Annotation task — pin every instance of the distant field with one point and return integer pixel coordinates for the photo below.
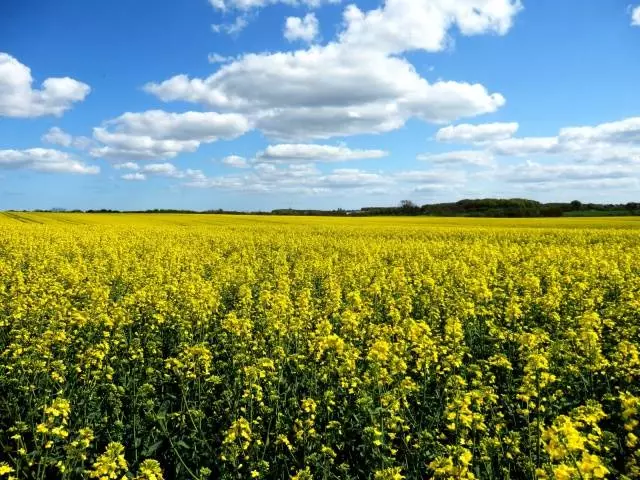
(228, 347)
(625, 222)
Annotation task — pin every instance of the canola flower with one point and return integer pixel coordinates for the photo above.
(188, 346)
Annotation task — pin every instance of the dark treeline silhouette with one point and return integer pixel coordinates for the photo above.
(485, 207)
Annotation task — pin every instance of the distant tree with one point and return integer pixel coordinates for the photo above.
(576, 205)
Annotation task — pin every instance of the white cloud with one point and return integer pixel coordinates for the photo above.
(464, 157)
(134, 176)
(171, 171)
(295, 178)
(161, 170)
(617, 141)
(305, 28)
(471, 134)
(328, 91)
(250, 4)
(355, 84)
(156, 134)
(217, 58)
(525, 146)
(532, 172)
(403, 25)
(635, 16)
(315, 153)
(622, 131)
(126, 166)
(235, 161)
(353, 178)
(57, 136)
(431, 177)
(19, 99)
(44, 160)
(239, 24)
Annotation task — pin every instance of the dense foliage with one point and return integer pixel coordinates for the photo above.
(264, 347)
(484, 207)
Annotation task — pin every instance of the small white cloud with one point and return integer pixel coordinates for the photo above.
(19, 99)
(234, 28)
(235, 161)
(126, 166)
(315, 153)
(467, 133)
(518, 147)
(465, 157)
(305, 29)
(57, 136)
(217, 58)
(134, 176)
(45, 160)
(635, 16)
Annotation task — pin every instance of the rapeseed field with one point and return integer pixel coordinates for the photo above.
(215, 347)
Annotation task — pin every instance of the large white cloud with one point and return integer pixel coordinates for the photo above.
(19, 99)
(355, 84)
(402, 25)
(301, 152)
(156, 134)
(44, 160)
(328, 91)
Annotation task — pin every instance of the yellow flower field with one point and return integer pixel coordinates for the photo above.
(232, 347)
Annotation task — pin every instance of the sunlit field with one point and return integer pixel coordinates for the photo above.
(153, 346)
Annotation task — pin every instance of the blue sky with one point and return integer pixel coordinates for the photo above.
(262, 104)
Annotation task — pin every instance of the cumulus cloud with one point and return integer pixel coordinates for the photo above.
(217, 58)
(328, 91)
(635, 16)
(617, 141)
(164, 169)
(235, 161)
(136, 176)
(44, 160)
(403, 25)
(294, 178)
(355, 84)
(239, 24)
(57, 136)
(156, 134)
(533, 172)
(460, 157)
(525, 146)
(126, 166)
(471, 134)
(18, 98)
(315, 153)
(305, 28)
